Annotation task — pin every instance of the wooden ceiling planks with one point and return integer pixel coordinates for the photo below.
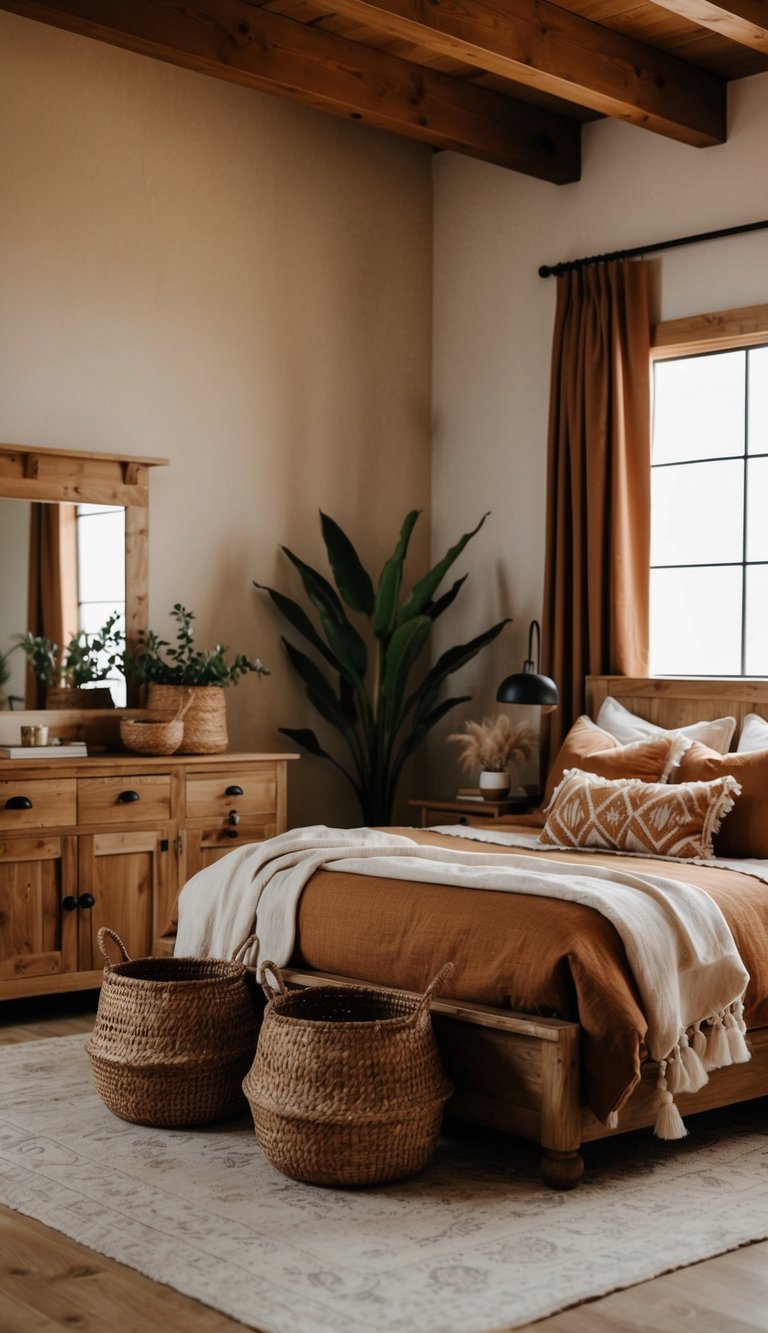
(508, 81)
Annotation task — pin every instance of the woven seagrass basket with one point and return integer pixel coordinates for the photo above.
(347, 1087)
(205, 722)
(173, 1037)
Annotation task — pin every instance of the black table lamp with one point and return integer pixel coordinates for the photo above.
(529, 686)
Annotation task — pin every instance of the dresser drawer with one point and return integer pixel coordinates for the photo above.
(127, 799)
(38, 803)
(251, 795)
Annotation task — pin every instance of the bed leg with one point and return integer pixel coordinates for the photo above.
(561, 1170)
(562, 1165)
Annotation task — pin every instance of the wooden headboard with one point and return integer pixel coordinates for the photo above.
(677, 703)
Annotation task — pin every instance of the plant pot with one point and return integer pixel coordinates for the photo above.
(205, 718)
(493, 786)
(65, 696)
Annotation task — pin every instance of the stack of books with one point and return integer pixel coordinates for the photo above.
(65, 750)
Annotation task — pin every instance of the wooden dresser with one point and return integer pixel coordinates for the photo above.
(109, 841)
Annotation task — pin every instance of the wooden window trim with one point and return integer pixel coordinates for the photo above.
(747, 327)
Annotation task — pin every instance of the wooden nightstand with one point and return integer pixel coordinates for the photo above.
(466, 812)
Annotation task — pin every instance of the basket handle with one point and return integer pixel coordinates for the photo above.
(270, 991)
(434, 986)
(241, 949)
(181, 710)
(105, 931)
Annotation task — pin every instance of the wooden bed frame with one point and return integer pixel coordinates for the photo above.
(519, 1073)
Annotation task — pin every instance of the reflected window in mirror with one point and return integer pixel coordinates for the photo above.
(100, 541)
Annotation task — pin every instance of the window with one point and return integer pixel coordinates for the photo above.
(101, 575)
(709, 512)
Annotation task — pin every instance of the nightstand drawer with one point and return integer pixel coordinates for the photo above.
(38, 803)
(129, 798)
(251, 795)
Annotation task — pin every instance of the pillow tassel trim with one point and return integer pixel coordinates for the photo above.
(717, 812)
(687, 1067)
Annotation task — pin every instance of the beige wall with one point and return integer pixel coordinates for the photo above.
(192, 270)
(493, 326)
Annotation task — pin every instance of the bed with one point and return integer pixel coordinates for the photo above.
(548, 1065)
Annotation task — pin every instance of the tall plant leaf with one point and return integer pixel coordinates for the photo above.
(435, 609)
(343, 638)
(352, 580)
(403, 650)
(297, 617)
(388, 590)
(320, 692)
(424, 590)
(453, 659)
(308, 741)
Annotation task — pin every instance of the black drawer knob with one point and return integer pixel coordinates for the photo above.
(233, 817)
(230, 833)
(69, 903)
(126, 797)
(86, 900)
(18, 803)
(233, 791)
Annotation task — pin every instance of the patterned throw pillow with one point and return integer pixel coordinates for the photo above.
(633, 816)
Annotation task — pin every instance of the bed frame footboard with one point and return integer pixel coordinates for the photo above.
(520, 1074)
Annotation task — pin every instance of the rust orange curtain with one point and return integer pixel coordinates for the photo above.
(595, 617)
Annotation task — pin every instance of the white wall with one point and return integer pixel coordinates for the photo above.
(192, 270)
(493, 320)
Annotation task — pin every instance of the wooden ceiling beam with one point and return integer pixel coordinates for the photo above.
(742, 21)
(543, 46)
(235, 41)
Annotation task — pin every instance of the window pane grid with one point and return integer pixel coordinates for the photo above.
(706, 615)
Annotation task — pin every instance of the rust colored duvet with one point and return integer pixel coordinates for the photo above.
(538, 956)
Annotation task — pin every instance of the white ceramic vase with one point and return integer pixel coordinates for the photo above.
(494, 786)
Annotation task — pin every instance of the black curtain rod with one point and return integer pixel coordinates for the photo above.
(568, 265)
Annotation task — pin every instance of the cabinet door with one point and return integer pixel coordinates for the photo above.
(203, 846)
(38, 917)
(129, 876)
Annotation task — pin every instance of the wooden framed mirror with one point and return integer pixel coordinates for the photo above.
(70, 478)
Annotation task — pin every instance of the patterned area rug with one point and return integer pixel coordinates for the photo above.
(473, 1244)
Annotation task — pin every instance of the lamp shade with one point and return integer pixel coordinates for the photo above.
(529, 686)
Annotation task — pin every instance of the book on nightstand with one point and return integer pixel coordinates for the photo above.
(72, 750)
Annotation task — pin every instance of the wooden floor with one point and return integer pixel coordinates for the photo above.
(49, 1283)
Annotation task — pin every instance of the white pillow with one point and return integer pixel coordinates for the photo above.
(626, 727)
(754, 734)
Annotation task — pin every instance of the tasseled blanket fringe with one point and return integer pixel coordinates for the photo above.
(712, 1043)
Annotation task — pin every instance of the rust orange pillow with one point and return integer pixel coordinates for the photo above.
(629, 815)
(745, 832)
(593, 750)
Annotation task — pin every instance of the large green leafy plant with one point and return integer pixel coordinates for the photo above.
(370, 697)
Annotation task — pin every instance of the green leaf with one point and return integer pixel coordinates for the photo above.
(320, 693)
(423, 591)
(298, 618)
(402, 651)
(453, 659)
(414, 738)
(435, 609)
(388, 590)
(352, 580)
(343, 638)
(308, 741)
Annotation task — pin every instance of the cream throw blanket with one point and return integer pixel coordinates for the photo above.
(678, 944)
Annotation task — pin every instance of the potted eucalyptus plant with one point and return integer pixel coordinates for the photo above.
(182, 678)
(72, 673)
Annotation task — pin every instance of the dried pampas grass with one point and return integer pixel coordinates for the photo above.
(495, 744)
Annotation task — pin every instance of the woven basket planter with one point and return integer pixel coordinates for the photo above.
(173, 1038)
(347, 1087)
(66, 696)
(205, 719)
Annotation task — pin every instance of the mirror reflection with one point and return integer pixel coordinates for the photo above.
(65, 573)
